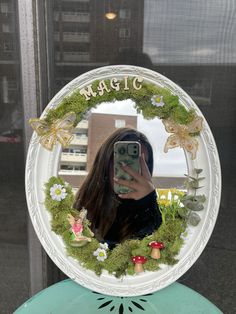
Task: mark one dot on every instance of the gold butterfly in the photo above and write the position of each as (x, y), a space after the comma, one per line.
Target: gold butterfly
(182, 135)
(59, 130)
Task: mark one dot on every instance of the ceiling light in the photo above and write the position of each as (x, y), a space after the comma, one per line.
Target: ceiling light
(110, 15)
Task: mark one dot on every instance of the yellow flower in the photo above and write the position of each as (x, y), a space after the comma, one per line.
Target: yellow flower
(164, 202)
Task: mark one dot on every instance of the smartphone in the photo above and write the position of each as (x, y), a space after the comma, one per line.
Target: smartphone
(127, 152)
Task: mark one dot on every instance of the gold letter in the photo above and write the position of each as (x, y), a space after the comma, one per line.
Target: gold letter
(139, 79)
(114, 84)
(88, 93)
(101, 87)
(126, 83)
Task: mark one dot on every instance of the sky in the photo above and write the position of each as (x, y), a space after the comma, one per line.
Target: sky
(171, 164)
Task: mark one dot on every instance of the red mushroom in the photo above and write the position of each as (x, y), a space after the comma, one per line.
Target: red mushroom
(138, 261)
(156, 247)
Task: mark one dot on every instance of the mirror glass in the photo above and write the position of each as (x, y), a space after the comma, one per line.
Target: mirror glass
(99, 123)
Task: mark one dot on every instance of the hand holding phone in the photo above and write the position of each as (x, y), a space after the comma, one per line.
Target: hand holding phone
(140, 184)
(126, 153)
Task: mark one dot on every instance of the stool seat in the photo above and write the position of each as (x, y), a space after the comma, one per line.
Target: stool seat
(67, 297)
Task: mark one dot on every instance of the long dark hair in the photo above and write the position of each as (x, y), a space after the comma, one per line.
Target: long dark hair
(96, 193)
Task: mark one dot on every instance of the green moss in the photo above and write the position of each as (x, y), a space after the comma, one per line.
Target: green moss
(118, 260)
(151, 265)
(85, 255)
(142, 98)
(54, 206)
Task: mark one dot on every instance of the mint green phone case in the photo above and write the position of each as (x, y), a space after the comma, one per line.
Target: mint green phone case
(126, 152)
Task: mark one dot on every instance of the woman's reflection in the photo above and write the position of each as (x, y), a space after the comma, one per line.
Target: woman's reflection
(115, 218)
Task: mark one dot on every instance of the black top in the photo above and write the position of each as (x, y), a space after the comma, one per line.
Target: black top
(135, 219)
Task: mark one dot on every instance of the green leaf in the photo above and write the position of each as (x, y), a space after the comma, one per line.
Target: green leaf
(193, 205)
(197, 207)
(194, 219)
(194, 184)
(200, 198)
(190, 177)
(187, 197)
(183, 212)
(198, 170)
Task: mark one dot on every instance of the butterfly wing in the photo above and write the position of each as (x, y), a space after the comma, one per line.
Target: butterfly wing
(196, 125)
(191, 146)
(170, 126)
(67, 122)
(48, 141)
(64, 137)
(172, 142)
(40, 126)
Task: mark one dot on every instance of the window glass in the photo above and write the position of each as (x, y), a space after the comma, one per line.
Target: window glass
(191, 42)
(14, 263)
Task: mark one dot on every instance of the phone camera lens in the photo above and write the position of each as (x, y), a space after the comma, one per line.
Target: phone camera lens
(122, 150)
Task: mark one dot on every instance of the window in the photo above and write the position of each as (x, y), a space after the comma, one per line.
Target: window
(12, 85)
(124, 14)
(5, 8)
(120, 124)
(8, 46)
(5, 28)
(124, 33)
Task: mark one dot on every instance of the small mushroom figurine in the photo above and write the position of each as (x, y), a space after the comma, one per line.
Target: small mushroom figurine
(156, 247)
(138, 261)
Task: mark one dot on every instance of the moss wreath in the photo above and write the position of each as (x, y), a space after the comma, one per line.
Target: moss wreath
(152, 101)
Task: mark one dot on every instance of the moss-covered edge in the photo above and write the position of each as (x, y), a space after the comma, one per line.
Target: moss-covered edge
(118, 260)
(142, 98)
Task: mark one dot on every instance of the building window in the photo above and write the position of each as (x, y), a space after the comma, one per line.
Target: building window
(6, 28)
(8, 46)
(124, 14)
(5, 8)
(73, 167)
(124, 33)
(12, 85)
(79, 168)
(120, 124)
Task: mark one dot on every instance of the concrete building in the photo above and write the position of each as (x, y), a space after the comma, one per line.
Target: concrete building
(10, 113)
(77, 159)
(81, 29)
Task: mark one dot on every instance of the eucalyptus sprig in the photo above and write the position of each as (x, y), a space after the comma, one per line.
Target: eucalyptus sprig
(192, 202)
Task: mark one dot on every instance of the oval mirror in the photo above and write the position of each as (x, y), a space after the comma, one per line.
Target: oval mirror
(186, 179)
(76, 160)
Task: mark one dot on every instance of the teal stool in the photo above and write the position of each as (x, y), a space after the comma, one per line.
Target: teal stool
(67, 297)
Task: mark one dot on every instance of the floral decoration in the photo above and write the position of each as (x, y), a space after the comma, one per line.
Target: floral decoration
(58, 192)
(104, 246)
(157, 101)
(101, 254)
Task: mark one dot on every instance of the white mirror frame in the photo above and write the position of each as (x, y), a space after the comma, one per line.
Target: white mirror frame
(42, 164)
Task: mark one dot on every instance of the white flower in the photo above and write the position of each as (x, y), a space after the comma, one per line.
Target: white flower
(157, 101)
(58, 192)
(104, 246)
(101, 254)
(169, 197)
